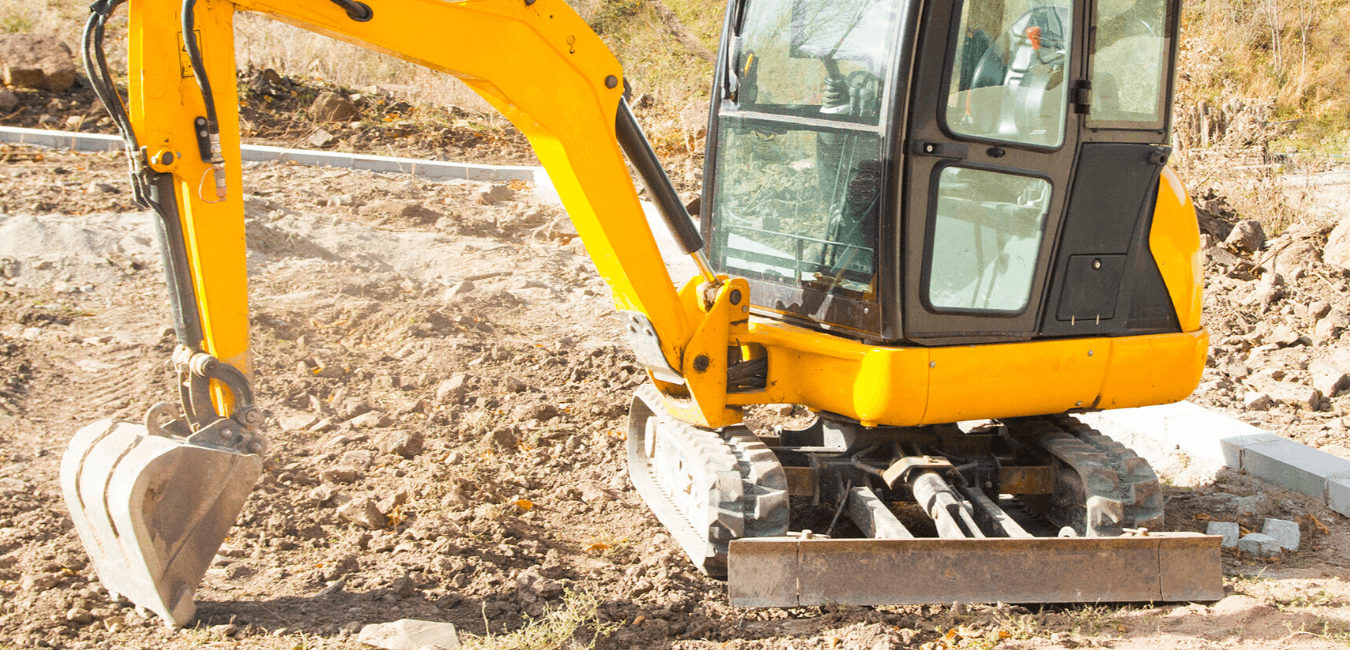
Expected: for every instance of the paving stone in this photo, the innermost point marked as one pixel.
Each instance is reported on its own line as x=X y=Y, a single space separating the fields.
x=1338 y=495
x=409 y=634
x=1294 y=466
x=1259 y=544
x=1284 y=531
x=1226 y=529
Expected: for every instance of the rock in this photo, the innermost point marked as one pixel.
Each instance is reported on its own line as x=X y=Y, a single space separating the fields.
x=539 y=412
x=389 y=503
x=1226 y=529
x=409 y=634
x=35 y=582
x=1235 y=368
x=358 y=458
x=8 y=100
x=1220 y=255
x=1250 y=506
x=402 y=586
x=362 y=511
x=1259 y=544
x=1256 y=401
x=297 y=422
x=1286 y=336
x=453 y=389
x=225 y=629
x=1283 y=531
x=1318 y=309
x=1337 y=250
x=1247 y=237
x=370 y=419
x=1287 y=392
x=36 y=61
x=1327 y=378
x=513 y=385
x=402 y=443
x=504 y=438
x=339 y=474
x=79 y=616
x=1331 y=325
x=332 y=107
x=459 y=289
x=322 y=138
x=494 y=194
x=1300 y=255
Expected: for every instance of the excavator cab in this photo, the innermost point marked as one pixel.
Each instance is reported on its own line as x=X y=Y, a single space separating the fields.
x=944 y=173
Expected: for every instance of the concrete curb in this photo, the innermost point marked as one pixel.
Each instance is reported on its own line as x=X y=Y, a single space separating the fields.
x=429 y=169
x=1216 y=440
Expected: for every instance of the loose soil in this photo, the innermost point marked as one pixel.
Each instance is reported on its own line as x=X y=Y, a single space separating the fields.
x=503 y=491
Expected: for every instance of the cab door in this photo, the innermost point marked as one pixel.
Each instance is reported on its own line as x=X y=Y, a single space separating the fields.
x=991 y=140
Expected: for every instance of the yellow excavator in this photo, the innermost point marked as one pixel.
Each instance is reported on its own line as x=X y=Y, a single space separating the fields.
x=943 y=226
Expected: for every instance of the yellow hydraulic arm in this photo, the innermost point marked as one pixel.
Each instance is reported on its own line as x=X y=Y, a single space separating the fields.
x=539 y=64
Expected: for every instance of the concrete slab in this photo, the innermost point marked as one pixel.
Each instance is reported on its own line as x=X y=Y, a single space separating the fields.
x=1293 y=466
x=429 y=169
x=1338 y=495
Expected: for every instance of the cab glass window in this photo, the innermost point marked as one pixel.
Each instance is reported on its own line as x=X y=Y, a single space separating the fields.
x=1007 y=81
x=986 y=239
x=815 y=58
x=1129 y=63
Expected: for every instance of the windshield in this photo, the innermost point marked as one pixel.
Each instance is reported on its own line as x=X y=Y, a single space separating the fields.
x=799 y=153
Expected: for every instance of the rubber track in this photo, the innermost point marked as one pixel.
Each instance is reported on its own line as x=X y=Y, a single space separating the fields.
x=754 y=504
x=1125 y=486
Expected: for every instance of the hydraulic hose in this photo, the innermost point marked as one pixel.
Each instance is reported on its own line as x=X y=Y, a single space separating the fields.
x=216 y=159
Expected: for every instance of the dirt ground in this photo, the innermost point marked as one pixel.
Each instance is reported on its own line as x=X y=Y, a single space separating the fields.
x=447 y=353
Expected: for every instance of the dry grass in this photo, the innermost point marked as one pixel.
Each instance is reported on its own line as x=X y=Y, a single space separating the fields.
x=573 y=625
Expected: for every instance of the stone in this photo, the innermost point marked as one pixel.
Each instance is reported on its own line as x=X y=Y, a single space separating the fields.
x=1286 y=336
x=494 y=194
x=30 y=60
x=1331 y=325
x=322 y=138
x=297 y=422
x=460 y=289
x=370 y=419
x=1287 y=392
x=1247 y=236
x=539 y=412
x=358 y=458
x=1301 y=255
x=79 y=616
x=1328 y=378
x=8 y=100
x=513 y=385
x=402 y=586
x=407 y=444
x=338 y=474
x=1337 y=251
x=364 y=512
x=453 y=389
x=1283 y=531
x=1259 y=544
x=1250 y=506
x=1227 y=529
x=332 y=107
x=504 y=438
x=1318 y=309
x=409 y=634
x=389 y=503
x=1257 y=401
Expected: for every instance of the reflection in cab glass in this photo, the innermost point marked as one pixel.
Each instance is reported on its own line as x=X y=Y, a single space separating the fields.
x=1009 y=79
x=799 y=169
x=986 y=239
x=1129 y=62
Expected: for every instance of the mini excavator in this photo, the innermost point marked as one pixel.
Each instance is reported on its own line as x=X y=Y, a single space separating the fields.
x=942 y=226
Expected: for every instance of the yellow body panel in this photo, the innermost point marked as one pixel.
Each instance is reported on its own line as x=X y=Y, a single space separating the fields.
x=1175 y=242
x=543 y=68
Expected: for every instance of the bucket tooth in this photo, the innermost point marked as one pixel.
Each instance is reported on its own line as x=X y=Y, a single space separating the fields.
x=153 y=510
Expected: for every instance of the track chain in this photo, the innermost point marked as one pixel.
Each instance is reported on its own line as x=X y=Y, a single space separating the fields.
x=1103 y=487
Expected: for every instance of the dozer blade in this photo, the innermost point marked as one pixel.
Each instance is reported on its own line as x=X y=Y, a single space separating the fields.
x=793 y=572
x=153 y=510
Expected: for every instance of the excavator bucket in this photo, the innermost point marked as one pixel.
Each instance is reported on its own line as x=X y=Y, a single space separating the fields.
x=152 y=510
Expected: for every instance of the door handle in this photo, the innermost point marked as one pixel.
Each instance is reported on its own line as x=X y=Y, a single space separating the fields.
x=941 y=149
